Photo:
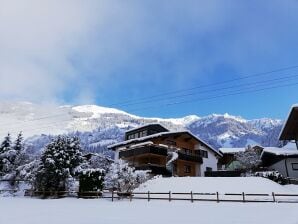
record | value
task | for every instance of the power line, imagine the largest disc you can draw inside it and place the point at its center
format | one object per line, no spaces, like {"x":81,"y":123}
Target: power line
{"x":208,"y":85}
{"x":286,"y":78}
{"x":215,"y":97}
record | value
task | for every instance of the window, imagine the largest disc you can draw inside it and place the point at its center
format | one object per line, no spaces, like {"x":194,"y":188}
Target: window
{"x":143,"y":133}
{"x":187,"y":151}
{"x":295,"y":166}
{"x":208,"y":169}
{"x":187,"y":169}
{"x":204,"y":153}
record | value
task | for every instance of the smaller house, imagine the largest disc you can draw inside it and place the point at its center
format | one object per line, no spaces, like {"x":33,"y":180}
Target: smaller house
{"x":289,"y":131}
{"x":284,"y":160}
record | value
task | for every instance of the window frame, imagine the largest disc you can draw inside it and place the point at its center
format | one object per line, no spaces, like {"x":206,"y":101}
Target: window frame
{"x":187,"y":168}
{"x":294,"y":164}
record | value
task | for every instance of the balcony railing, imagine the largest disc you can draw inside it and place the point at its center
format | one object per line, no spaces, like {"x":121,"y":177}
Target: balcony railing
{"x":158,"y":150}
{"x":190,"y":157}
{"x":152,"y":149}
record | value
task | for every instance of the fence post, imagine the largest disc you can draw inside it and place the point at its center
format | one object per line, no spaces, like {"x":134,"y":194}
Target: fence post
{"x":112,"y":195}
{"x":191,"y":196}
{"x":148,"y":195}
{"x":217,"y":197}
{"x":130,"y":196}
{"x":243,"y":196}
{"x":170,"y":196}
{"x":273,"y":196}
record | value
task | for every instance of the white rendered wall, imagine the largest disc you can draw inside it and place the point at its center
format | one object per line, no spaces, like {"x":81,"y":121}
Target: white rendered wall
{"x":211,"y":161}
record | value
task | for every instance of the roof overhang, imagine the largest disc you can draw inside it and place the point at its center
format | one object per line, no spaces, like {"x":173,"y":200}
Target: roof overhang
{"x":165,"y":134}
{"x":269,"y":158}
{"x":290,"y":128}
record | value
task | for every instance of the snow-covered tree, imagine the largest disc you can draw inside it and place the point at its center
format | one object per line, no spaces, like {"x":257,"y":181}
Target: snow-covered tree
{"x":58,"y":163}
{"x":124,"y":178}
{"x":91,"y":180}
{"x":249,"y":159}
{"x":6,"y":155}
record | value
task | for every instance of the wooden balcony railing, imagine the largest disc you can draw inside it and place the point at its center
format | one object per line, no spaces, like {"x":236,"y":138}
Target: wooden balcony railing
{"x":158,"y":150}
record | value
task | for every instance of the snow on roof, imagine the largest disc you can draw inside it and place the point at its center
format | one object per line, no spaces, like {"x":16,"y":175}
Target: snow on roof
{"x":146,"y":125}
{"x":280,"y":151}
{"x":231,"y":150}
{"x":162,"y":134}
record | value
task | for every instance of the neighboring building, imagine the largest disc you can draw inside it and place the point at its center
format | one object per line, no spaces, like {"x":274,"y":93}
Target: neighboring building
{"x":228,"y":160}
{"x":164,"y":152}
{"x":289,"y":131}
{"x":285,"y":160}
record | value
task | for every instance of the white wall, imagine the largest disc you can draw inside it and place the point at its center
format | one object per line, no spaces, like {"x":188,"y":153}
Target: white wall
{"x":211,"y":161}
{"x":116,"y":154}
{"x":281,"y":167}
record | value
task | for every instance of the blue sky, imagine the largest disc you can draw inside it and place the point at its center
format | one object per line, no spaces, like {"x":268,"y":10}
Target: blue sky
{"x":110,"y":52}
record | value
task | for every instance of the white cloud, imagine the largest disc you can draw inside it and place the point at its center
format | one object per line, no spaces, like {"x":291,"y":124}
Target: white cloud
{"x":50,"y":48}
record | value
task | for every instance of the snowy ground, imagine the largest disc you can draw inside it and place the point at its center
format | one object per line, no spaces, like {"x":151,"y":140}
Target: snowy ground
{"x":215,"y":184}
{"x":20,"y":210}
{"x":225,"y":186}
{"x":95,"y":211}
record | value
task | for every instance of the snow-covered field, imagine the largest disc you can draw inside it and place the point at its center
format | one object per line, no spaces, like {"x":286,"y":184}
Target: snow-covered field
{"x":95,"y":211}
{"x":222,"y":185}
{"x":20,"y":210}
{"x":257,"y":185}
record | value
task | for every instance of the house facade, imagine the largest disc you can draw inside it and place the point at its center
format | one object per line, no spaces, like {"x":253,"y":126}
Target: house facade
{"x":153,"y":147}
{"x":285,"y":160}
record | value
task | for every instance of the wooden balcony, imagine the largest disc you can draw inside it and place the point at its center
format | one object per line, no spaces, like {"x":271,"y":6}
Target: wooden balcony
{"x":147,"y":149}
{"x":158,"y":150}
{"x":190,"y":157}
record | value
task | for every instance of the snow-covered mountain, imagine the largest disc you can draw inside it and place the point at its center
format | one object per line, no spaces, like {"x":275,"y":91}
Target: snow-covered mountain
{"x":100,"y":126}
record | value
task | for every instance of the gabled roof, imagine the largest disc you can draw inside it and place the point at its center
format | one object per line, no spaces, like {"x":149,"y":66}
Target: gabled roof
{"x":163,"y":134}
{"x":231,"y":150}
{"x":279,"y":151}
{"x":272,"y":155}
{"x":290,"y":128}
{"x":148,"y":125}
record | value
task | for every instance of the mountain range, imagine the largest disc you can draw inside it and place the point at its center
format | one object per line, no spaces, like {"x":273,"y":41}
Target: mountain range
{"x":99,"y":127}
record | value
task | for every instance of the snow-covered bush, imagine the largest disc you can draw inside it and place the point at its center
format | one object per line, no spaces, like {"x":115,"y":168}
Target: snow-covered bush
{"x":91,"y":180}
{"x":124,"y":178}
{"x":58,"y":163}
{"x":272,"y":175}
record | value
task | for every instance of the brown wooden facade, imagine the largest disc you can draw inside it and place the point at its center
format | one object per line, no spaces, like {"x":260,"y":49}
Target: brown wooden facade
{"x":153,"y":152}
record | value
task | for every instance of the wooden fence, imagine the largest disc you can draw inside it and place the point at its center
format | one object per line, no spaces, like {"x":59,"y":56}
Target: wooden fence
{"x":168,"y":196}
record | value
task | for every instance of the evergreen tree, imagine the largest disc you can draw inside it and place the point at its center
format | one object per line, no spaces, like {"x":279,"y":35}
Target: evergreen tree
{"x":58,"y":163}
{"x":5,"y":156}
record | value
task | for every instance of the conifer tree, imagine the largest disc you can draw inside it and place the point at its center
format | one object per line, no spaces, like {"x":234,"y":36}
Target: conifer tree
{"x":57,"y":164}
{"x":4,"y":155}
